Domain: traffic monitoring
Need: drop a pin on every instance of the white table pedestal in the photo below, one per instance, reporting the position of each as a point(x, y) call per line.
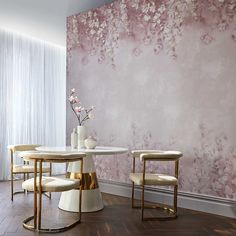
point(91, 200)
point(91, 195)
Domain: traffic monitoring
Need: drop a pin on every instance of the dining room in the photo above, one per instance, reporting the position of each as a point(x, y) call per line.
point(117, 117)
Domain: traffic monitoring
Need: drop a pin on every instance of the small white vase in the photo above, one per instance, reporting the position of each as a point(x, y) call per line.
point(74, 139)
point(82, 135)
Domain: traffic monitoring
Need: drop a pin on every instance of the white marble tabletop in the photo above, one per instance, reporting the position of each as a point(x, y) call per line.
point(99, 150)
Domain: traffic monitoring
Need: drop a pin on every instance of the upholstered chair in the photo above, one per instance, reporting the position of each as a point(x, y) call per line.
point(155, 179)
point(40, 184)
point(24, 168)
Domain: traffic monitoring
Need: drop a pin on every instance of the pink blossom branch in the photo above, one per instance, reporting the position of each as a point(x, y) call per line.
point(78, 110)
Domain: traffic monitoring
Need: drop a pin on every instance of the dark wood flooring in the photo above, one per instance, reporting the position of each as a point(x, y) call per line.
point(117, 219)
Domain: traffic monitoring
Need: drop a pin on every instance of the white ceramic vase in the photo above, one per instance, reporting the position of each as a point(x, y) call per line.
point(74, 139)
point(90, 142)
point(82, 135)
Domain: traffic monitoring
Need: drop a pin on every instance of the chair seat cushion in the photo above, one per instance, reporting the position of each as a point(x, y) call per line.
point(52, 184)
point(27, 169)
point(153, 179)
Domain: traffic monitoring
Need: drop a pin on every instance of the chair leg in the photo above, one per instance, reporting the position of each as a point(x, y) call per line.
point(12, 191)
point(35, 210)
point(142, 203)
point(40, 210)
point(132, 200)
point(50, 174)
point(35, 195)
point(172, 211)
point(24, 180)
point(34, 217)
point(12, 187)
point(40, 195)
point(27, 177)
point(175, 199)
point(80, 201)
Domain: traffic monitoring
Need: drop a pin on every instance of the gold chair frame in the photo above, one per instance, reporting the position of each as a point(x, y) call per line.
point(19, 148)
point(38, 191)
point(155, 155)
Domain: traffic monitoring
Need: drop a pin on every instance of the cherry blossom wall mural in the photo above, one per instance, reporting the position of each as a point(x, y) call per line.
point(161, 74)
point(156, 23)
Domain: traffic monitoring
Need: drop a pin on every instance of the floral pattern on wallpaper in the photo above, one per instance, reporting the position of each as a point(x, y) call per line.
point(213, 166)
point(209, 170)
point(122, 163)
point(158, 23)
point(147, 30)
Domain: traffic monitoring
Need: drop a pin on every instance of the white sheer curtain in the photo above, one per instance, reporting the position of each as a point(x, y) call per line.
point(32, 94)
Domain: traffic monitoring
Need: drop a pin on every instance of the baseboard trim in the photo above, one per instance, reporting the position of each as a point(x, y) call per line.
point(198, 202)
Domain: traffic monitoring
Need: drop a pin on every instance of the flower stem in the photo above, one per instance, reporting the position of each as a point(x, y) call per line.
point(78, 116)
point(86, 117)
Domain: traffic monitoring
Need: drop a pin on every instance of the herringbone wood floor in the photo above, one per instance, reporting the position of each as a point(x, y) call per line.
point(117, 219)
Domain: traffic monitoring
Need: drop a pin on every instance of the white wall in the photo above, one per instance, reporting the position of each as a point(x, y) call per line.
point(42, 19)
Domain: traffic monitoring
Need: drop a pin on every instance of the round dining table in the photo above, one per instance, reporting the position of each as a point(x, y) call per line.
point(91, 195)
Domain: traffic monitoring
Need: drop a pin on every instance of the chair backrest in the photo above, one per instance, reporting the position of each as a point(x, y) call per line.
point(157, 155)
point(137, 153)
point(22, 147)
point(161, 156)
point(52, 157)
point(19, 148)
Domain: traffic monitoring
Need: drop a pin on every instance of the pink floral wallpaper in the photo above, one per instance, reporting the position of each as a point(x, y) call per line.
point(161, 74)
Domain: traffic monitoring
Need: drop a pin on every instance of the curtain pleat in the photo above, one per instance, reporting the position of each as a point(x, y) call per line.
point(32, 95)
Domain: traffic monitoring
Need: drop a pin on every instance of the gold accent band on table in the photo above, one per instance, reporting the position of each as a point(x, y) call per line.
point(89, 180)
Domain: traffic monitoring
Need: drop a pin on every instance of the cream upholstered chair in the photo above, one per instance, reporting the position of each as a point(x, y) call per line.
point(25, 168)
point(157, 179)
point(43, 184)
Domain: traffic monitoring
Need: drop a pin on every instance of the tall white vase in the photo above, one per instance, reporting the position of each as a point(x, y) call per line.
point(82, 135)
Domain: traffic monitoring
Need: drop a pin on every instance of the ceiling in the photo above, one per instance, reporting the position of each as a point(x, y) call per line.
point(44, 19)
point(76, 6)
